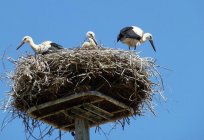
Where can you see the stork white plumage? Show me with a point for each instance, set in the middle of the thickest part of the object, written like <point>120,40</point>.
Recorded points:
<point>91,42</point>
<point>43,48</point>
<point>134,36</point>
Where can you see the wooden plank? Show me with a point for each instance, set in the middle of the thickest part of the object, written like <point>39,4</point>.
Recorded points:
<point>81,129</point>
<point>68,116</point>
<point>79,95</point>
<point>57,101</point>
<point>118,111</point>
<point>72,117</point>
<point>51,114</point>
<point>62,110</point>
<point>96,117</point>
<point>67,126</point>
<point>70,127</point>
<point>84,114</point>
<point>112,120</point>
<point>113,101</point>
<point>98,111</point>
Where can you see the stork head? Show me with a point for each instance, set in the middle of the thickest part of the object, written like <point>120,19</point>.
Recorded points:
<point>26,39</point>
<point>149,37</point>
<point>91,35</point>
<point>119,37</point>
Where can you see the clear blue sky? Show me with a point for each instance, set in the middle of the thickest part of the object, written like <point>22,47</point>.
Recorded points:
<point>178,30</point>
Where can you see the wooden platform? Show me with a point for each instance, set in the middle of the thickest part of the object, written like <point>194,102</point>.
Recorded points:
<point>92,106</point>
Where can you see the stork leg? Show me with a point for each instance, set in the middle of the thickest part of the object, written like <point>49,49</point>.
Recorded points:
<point>130,56</point>
<point>36,55</point>
<point>135,47</point>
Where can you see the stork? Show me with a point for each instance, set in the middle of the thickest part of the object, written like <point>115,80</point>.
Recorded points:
<point>43,48</point>
<point>134,36</point>
<point>91,43</point>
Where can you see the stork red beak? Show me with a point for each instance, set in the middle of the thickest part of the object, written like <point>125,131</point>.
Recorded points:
<point>151,42</point>
<point>21,44</point>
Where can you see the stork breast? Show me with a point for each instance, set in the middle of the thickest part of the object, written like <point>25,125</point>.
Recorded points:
<point>130,42</point>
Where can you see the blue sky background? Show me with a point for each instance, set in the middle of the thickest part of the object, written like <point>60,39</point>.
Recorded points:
<point>178,30</point>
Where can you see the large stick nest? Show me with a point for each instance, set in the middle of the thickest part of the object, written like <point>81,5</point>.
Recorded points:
<point>122,75</point>
<point>118,74</point>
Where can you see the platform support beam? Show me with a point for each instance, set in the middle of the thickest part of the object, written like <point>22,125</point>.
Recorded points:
<point>81,129</point>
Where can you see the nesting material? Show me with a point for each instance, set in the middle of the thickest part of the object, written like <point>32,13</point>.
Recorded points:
<point>119,74</point>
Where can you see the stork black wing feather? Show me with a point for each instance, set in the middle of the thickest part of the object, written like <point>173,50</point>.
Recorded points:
<point>56,46</point>
<point>132,34</point>
<point>127,32</point>
<point>123,32</point>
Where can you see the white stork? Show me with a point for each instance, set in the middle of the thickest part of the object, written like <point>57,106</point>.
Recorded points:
<point>134,36</point>
<point>91,43</point>
<point>43,48</point>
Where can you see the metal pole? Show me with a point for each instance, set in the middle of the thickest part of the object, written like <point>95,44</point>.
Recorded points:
<point>81,129</point>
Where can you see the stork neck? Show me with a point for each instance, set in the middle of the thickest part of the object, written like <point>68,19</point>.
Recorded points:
<point>33,45</point>
<point>144,38</point>
<point>92,42</point>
